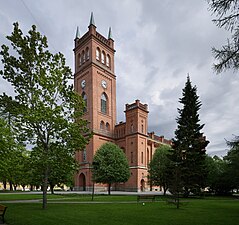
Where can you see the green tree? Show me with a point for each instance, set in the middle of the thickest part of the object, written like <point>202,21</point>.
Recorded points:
<point>49,110</point>
<point>5,142</point>
<point>227,13</point>
<point>189,143</point>
<point>219,178</point>
<point>160,168</point>
<point>110,165</point>
<point>232,158</point>
<point>10,154</point>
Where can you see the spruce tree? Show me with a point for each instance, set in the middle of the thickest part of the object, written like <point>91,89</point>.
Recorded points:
<point>189,143</point>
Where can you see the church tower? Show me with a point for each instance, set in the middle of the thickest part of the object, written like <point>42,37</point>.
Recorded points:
<point>95,81</point>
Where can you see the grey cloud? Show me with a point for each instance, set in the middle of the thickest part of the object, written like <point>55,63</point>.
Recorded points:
<point>157,43</point>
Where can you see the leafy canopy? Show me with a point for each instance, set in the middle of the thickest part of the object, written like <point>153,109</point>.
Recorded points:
<point>110,165</point>
<point>160,167</point>
<point>48,109</point>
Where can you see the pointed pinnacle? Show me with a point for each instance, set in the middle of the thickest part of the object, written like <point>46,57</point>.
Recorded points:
<point>110,34</point>
<point>92,21</point>
<point>77,33</point>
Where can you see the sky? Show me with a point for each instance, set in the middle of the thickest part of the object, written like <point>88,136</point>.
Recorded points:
<point>157,43</point>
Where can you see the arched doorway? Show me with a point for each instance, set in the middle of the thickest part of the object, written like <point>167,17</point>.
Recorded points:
<point>82,182</point>
<point>142,185</point>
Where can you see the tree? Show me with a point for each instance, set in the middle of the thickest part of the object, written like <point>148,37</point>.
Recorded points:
<point>110,165</point>
<point>227,13</point>
<point>160,168</point>
<point>11,154</point>
<point>189,143</point>
<point>6,141</point>
<point>219,178</point>
<point>232,158</point>
<point>49,110</point>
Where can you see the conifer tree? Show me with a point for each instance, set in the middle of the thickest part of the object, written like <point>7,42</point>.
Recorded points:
<point>189,143</point>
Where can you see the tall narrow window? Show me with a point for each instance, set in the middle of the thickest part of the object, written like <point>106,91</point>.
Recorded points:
<point>104,103</point>
<point>98,54</point>
<point>107,126</point>
<point>85,101</point>
<point>103,57</point>
<point>102,125</point>
<point>84,155</point>
<point>79,59</point>
<point>108,60</point>
<point>142,128</point>
<point>132,128</point>
<point>142,157</point>
<point>87,53</point>
<point>83,57</point>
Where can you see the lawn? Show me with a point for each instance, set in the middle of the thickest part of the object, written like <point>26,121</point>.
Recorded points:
<point>195,212</point>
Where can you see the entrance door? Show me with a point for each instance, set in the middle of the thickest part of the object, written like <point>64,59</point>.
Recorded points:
<point>82,182</point>
<point>142,185</point>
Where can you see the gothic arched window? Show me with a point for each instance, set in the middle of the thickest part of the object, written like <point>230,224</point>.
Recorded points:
<point>98,54</point>
<point>87,53</point>
<point>85,101</point>
<point>83,57</point>
<point>103,57</point>
<point>108,60</point>
<point>104,103</point>
<point>132,128</point>
<point>102,125</point>
<point>107,126</point>
<point>79,59</point>
<point>84,155</point>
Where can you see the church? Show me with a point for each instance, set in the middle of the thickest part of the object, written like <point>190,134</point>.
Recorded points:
<point>95,81</point>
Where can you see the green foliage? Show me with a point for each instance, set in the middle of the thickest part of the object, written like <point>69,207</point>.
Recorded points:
<point>11,155</point>
<point>49,110</point>
<point>219,179</point>
<point>189,144</point>
<point>232,158</point>
<point>160,168</point>
<point>227,13</point>
<point>110,165</point>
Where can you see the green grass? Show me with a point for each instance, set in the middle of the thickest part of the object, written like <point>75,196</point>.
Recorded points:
<point>19,196</point>
<point>219,211</point>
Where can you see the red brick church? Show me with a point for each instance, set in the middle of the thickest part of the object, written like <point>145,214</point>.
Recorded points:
<point>95,81</point>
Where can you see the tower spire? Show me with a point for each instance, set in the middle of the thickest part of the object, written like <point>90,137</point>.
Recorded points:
<point>110,34</point>
<point>92,21</point>
<point>77,33</point>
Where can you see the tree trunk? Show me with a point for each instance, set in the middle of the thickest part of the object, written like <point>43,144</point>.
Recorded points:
<point>164,190</point>
<point>44,187</point>
<point>5,184</point>
<point>10,183</point>
<point>52,188</point>
<point>109,186</point>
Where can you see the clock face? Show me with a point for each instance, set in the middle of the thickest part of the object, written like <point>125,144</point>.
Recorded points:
<point>83,83</point>
<point>103,84</point>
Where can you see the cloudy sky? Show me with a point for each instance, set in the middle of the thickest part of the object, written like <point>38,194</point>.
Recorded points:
<point>157,44</point>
